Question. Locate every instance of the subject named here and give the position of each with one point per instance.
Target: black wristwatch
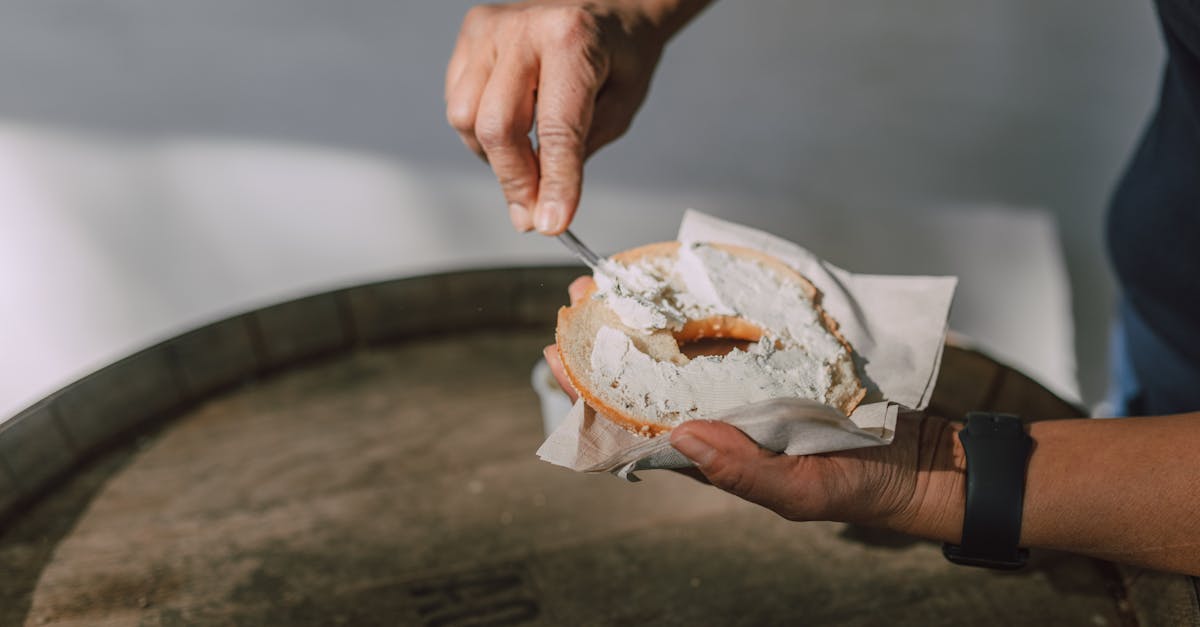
(997, 450)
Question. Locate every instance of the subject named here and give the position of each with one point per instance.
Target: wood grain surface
(397, 485)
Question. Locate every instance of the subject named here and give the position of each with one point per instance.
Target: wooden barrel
(366, 457)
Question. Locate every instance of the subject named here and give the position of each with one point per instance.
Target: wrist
(663, 19)
(935, 509)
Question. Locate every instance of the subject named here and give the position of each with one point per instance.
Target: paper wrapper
(896, 325)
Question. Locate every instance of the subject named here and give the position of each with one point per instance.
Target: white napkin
(896, 324)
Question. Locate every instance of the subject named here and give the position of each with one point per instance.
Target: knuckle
(478, 13)
(560, 135)
(461, 117)
(578, 34)
(589, 70)
(571, 26)
(801, 503)
(513, 184)
(730, 477)
(494, 131)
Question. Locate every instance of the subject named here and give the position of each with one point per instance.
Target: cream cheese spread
(794, 358)
(639, 296)
(704, 386)
(662, 293)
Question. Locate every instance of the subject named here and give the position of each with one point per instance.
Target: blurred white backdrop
(166, 164)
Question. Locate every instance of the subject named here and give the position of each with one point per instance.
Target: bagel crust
(620, 344)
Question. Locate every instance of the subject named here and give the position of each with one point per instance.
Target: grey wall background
(855, 108)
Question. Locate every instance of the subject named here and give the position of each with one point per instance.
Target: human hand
(580, 70)
(913, 485)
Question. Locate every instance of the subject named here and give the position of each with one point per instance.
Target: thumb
(733, 462)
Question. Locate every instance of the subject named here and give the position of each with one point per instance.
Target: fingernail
(694, 449)
(519, 216)
(547, 217)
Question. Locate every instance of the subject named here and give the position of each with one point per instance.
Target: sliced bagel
(643, 381)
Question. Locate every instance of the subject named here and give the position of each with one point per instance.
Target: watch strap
(997, 450)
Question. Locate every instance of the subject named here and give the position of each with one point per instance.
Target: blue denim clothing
(1122, 384)
(1149, 376)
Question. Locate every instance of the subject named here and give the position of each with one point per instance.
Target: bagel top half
(620, 344)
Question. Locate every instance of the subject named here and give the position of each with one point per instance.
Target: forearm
(1125, 490)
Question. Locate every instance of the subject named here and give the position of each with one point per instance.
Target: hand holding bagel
(891, 486)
